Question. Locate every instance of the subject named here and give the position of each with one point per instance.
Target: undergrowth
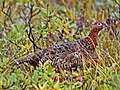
(51, 22)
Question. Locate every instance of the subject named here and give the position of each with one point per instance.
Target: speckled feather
(67, 55)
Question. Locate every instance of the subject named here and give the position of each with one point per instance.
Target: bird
(67, 55)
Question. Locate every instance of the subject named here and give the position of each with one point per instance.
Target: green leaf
(21, 34)
(49, 68)
(4, 61)
(9, 36)
(44, 33)
(72, 25)
(39, 69)
(40, 26)
(58, 20)
(13, 77)
(36, 75)
(22, 77)
(50, 81)
(33, 80)
(4, 34)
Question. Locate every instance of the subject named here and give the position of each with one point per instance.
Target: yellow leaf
(36, 87)
(74, 73)
(44, 87)
(103, 15)
(63, 1)
(56, 86)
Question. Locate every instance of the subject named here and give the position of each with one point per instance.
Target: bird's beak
(105, 24)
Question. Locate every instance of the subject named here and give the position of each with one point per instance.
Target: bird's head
(99, 26)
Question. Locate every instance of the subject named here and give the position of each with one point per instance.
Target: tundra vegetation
(27, 26)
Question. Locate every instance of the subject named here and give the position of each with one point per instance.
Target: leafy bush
(30, 25)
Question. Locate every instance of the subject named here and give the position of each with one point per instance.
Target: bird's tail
(32, 59)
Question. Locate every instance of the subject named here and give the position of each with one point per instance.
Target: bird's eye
(99, 24)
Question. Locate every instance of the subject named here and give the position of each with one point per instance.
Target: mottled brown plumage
(67, 55)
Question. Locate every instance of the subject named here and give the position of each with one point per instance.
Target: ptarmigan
(67, 55)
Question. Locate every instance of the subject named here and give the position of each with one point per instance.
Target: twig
(36, 13)
(15, 44)
(29, 32)
(8, 13)
(117, 2)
